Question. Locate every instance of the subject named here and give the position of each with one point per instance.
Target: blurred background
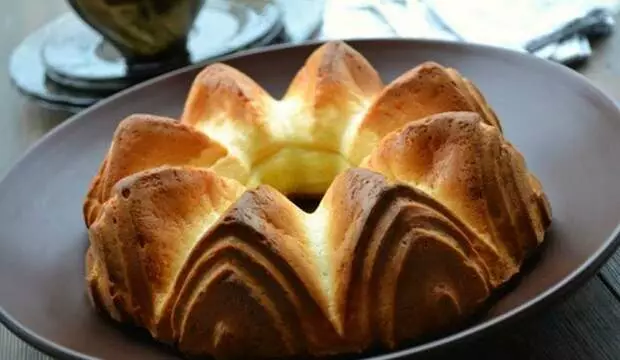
(70, 54)
(59, 57)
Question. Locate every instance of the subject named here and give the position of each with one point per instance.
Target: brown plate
(567, 129)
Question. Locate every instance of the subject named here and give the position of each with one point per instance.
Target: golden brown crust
(475, 98)
(427, 210)
(427, 89)
(257, 255)
(229, 106)
(94, 200)
(335, 67)
(145, 230)
(335, 84)
(143, 142)
(468, 166)
(381, 237)
(219, 88)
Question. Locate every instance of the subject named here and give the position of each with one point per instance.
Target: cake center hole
(307, 203)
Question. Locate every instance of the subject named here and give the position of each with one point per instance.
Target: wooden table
(585, 326)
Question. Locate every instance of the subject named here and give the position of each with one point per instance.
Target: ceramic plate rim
(570, 282)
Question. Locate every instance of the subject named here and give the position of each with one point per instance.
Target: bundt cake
(425, 209)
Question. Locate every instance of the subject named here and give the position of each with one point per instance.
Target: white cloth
(512, 24)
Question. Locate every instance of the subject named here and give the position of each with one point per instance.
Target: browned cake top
(426, 209)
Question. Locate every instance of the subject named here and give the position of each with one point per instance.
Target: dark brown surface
(587, 325)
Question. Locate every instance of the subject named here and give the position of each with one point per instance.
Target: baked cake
(425, 209)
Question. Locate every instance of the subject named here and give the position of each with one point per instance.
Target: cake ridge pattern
(427, 208)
